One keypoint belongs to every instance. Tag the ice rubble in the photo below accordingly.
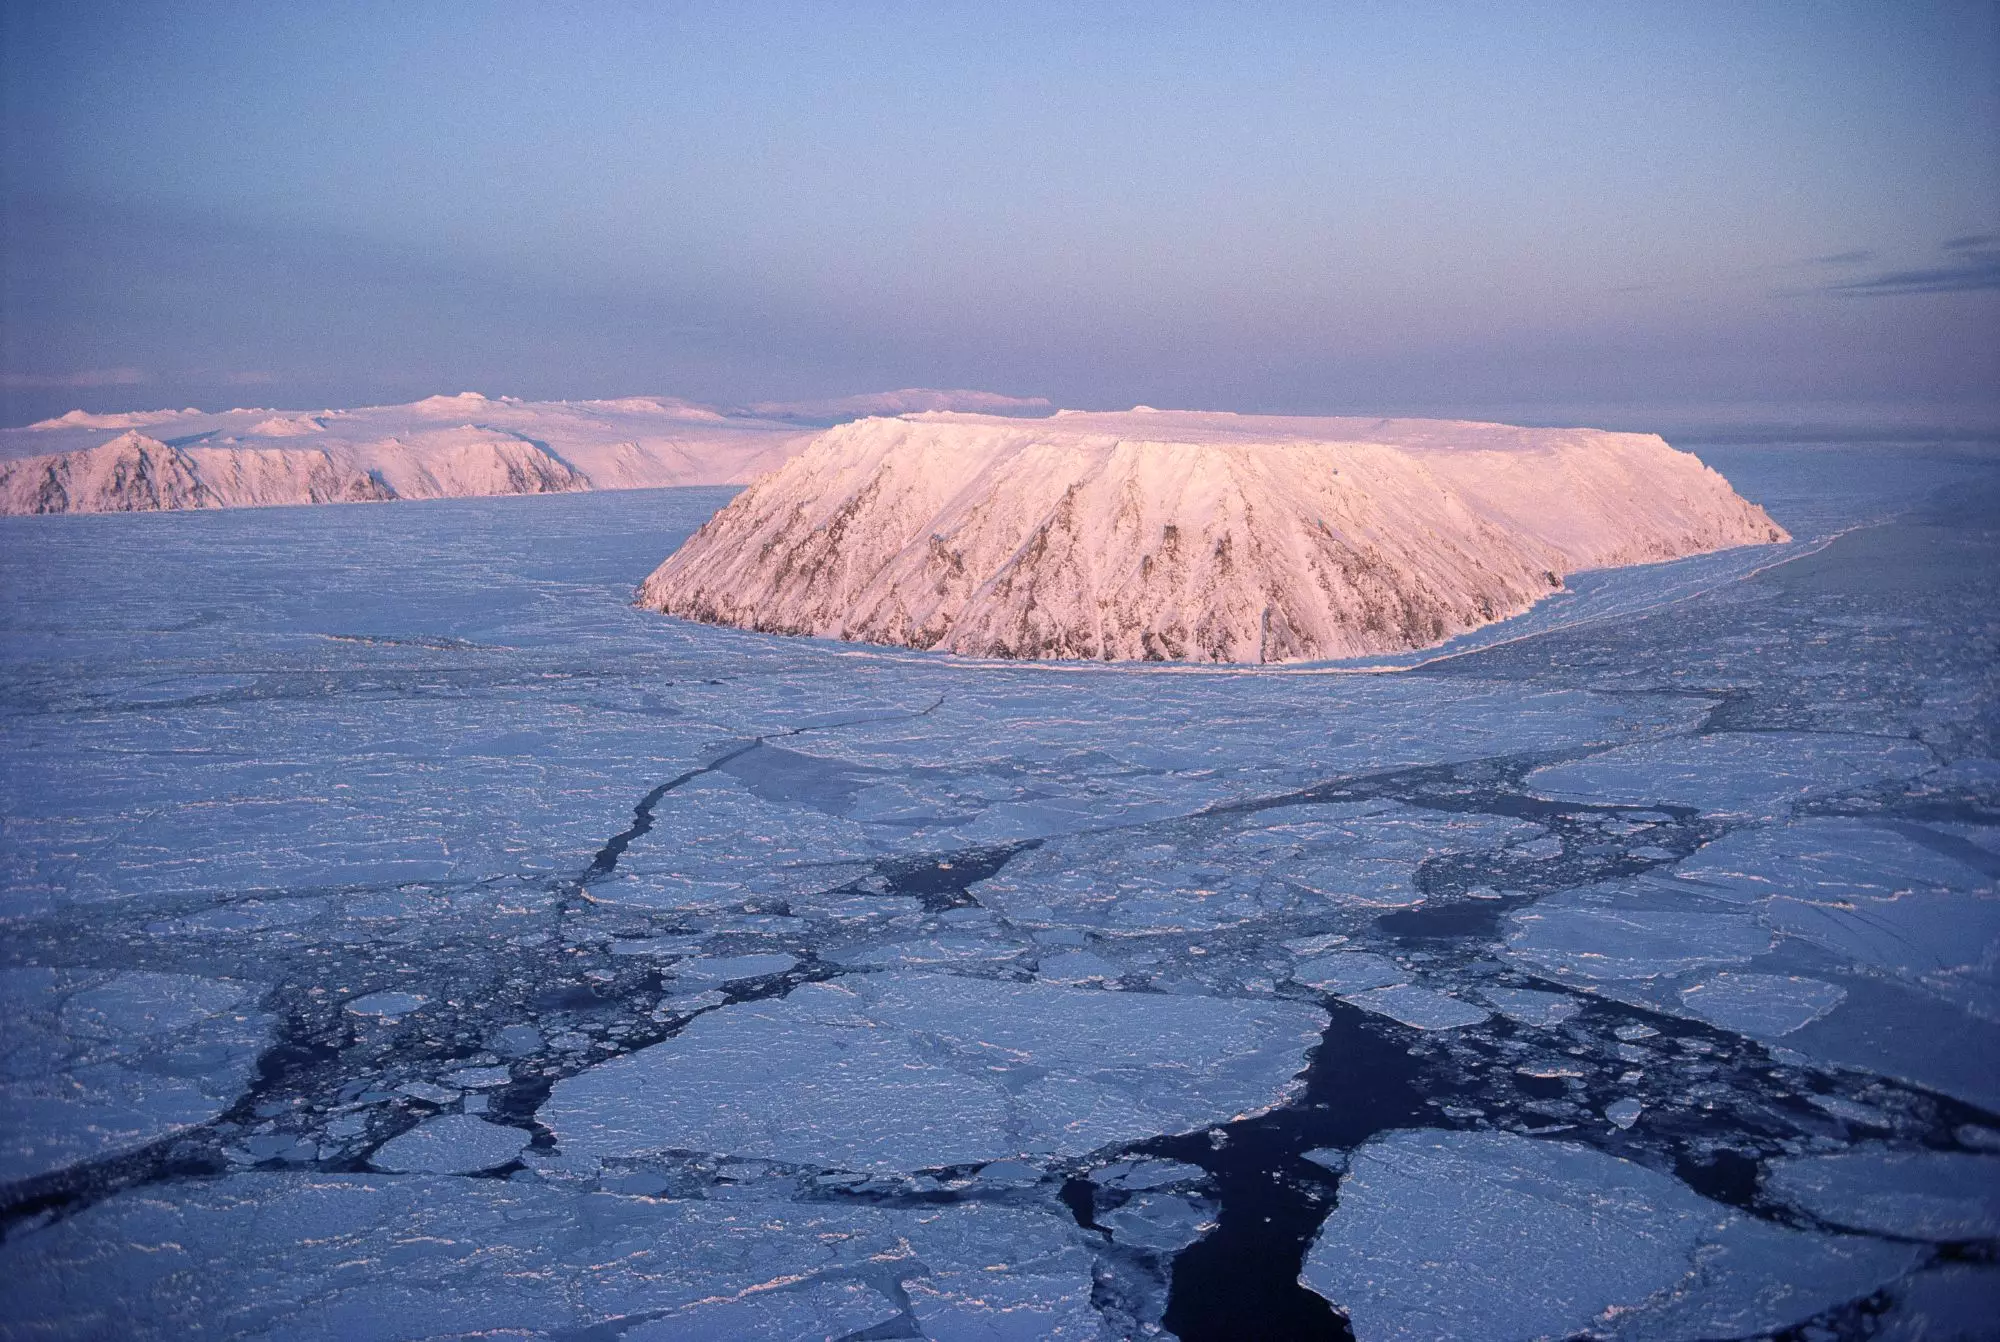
(909, 1071)
(1186, 536)
(1490, 1235)
(96, 1063)
(441, 447)
(308, 1257)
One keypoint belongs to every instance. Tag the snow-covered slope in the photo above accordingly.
(443, 446)
(1171, 536)
(134, 473)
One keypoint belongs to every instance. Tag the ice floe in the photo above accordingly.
(1632, 932)
(1490, 1235)
(291, 1256)
(908, 1071)
(1418, 1007)
(96, 1063)
(1932, 1195)
(1746, 774)
(450, 1144)
(1764, 1005)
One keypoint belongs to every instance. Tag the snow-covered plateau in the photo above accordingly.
(442, 447)
(403, 936)
(1173, 536)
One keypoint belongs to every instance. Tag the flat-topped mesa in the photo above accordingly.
(1183, 536)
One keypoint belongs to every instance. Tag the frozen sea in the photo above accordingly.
(406, 938)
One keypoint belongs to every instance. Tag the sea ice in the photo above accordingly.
(731, 968)
(1357, 858)
(1350, 972)
(450, 1144)
(388, 1005)
(1419, 1008)
(94, 1063)
(1078, 967)
(1530, 1006)
(1765, 1006)
(1933, 1195)
(1830, 861)
(1747, 774)
(1620, 931)
(1494, 1236)
(295, 1256)
(909, 1071)
(1949, 1303)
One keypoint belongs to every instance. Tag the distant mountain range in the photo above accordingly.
(444, 446)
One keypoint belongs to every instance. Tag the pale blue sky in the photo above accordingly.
(1510, 209)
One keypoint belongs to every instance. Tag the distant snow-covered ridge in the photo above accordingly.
(445, 446)
(1187, 536)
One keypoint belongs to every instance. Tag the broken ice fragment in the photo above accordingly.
(1764, 1006)
(1616, 932)
(517, 1041)
(1624, 1113)
(450, 1144)
(388, 1005)
(1349, 971)
(424, 1090)
(1144, 1173)
(1531, 1007)
(1496, 1236)
(911, 1071)
(1078, 967)
(731, 968)
(1419, 1007)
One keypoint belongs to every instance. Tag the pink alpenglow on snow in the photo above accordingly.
(1185, 536)
(439, 447)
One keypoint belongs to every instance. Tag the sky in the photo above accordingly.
(1605, 212)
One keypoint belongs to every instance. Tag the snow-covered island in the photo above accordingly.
(462, 446)
(1169, 536)
(440, 447)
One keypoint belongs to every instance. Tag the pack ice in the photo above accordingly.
(1187, 536)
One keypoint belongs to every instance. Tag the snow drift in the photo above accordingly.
(1187, 536)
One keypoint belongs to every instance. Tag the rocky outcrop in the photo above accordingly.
(1179, 536)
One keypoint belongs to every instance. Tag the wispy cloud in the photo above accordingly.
(1969, 264)
(1853, 258)
(902, 402)
(90, 377)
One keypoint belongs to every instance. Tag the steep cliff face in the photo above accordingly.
(1187, 536)
(134, 473)
(440, 447)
